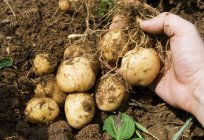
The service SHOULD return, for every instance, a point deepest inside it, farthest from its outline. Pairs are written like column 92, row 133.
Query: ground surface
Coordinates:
column 36, row 28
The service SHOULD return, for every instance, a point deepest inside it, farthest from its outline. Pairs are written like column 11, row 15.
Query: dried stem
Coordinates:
column 7, row 3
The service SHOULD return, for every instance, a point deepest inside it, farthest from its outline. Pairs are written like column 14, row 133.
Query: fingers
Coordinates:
column 186, row 45
column 168, row 23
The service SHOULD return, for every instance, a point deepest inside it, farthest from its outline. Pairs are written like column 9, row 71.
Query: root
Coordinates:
column 55, row 13
column 7, row 3
column 87, row 31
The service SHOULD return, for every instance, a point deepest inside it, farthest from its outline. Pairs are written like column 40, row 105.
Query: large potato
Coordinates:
column 75, row 74
column 79, row 109
column 47, row 87
column 41, row 110
column 111, row 92
column 42, row 65
column 140, row 66
column 113, row 45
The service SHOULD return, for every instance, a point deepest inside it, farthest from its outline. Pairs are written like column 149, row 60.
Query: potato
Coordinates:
column 119, row 21
column 85, row 50
column 47, row 87
column 140, row 66
column 79, row 109
column 113, row 45
column 41, row 110
column 64, row 5
column 42, row 65
column 75, row 74
column 111, row 92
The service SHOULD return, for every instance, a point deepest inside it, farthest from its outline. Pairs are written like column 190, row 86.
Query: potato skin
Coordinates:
column 64, row 5
column 47, row 87
column 86, row 50
column 111, row 92
column 41, row 110
column 75, row 74
column 119, row 21
column 41, row 65
column 113, row 45
column 79, row 109
column 140, row 66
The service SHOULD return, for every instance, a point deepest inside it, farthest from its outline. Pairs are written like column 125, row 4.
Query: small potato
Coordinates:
column 113, row 45
column 41, row 64
column 41, row 110
column 79, row 109
column 47, row 87
column 64, row 5
column 111, row 92
column 86, row 50
column 140, row 66
column 75, row 74
column 119, row 21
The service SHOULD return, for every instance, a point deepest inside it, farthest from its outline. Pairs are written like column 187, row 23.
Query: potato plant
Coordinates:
column 117, row 58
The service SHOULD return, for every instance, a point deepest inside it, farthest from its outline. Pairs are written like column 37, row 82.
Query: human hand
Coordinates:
column 182, row 85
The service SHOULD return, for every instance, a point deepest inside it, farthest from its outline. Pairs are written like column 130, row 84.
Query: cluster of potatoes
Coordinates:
column 79, row 86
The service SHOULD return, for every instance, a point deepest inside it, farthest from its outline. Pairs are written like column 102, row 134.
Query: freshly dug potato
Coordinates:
column 111, row 92
column 41, row 110
column 64, row 5
column 113, row 45
column 42, row 65
column 85, row 50
column 119, row 21
column 140, row 66
column 79, row 109
column 47, row 87
column 75, row 74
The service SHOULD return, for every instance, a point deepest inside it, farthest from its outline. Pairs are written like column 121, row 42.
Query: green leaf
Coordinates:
column 109, row 126
column 6, row 62
column 138, row 139
column 143, row 129
column 120, row 127
column 138, row 133
column 104, row 6
column 178, row 134
column 128, row 127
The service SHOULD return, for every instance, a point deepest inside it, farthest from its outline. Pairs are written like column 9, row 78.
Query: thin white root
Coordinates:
column 7, row 3
column 76, row 35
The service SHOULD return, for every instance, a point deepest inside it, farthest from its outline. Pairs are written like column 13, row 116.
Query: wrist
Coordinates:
column 197, row 108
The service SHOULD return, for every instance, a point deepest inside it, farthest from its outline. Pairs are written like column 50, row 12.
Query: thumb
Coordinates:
column 186, row 45
column 168, row 23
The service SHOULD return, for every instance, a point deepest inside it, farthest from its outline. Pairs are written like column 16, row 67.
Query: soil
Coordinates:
column 34, row 27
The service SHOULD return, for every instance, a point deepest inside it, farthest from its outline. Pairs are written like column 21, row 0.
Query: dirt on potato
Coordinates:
column 33, row 26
